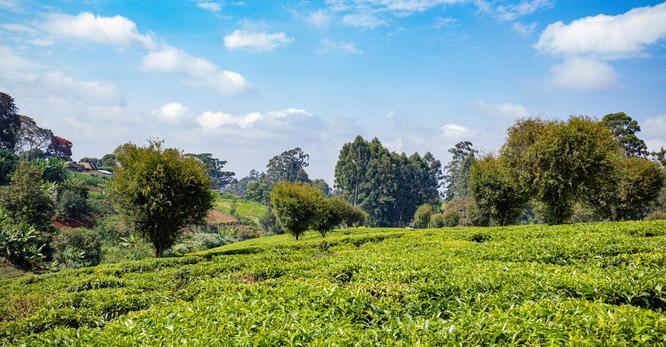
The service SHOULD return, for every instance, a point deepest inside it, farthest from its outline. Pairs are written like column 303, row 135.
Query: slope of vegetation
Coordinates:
column 544, row 285
column 243, row 209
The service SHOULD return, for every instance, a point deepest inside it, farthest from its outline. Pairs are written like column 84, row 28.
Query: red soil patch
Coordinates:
column 216, row 217
column 66, row 223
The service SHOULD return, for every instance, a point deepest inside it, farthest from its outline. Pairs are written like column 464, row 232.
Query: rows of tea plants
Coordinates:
column 588, row 284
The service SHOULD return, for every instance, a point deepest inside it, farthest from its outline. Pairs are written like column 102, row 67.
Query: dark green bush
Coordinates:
column 451, row 218
column 437, row 221
column 20, row 244
column 8, row 163
column 76, row 248
column 422, row 216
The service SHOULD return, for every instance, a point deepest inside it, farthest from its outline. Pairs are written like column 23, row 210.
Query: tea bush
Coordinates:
column 581, row 284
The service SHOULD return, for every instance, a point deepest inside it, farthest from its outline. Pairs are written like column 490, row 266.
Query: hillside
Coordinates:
column 245, row 210
column 593, row 283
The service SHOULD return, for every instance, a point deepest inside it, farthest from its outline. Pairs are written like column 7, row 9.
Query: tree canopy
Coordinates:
column 624, row 129
column 457, row 171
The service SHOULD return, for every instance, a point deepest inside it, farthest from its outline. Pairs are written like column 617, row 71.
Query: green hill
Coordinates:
column 598, row 284
column 248, row 210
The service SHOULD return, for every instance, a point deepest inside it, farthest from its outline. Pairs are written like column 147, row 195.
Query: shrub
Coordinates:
column 196, row 242
column 269, row 223
column 451, row 218
column 72, row 200
column 354, row 216
column 656, row 215
column 75, row 248
column 20, row 244
column 8, row 163
column 54, row 169
column 295, row 206
column 495, row 191
column 437, row 221
column 469, row 212
column 25, row 200
column 422, row 216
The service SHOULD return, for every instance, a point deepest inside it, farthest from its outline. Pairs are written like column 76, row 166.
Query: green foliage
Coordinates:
column 422, row 216
column 26, row 200
column 467, row 210
column 215, row 170
column 9, row 122
column 322, row 185
column 196, row 242
column 437, row 221
column 590, row 284
column 450, row 218
column 624, row 129
column 259, row 191
column 74, row 248
column 72, row 200
column 8, row 163
column 109, row 161
column 288, row 166
column 496, row 192
column 295, row 206
column 20, row 244
column 160, row 191
column 386, row 185
column 457, row 171
column 54, row 169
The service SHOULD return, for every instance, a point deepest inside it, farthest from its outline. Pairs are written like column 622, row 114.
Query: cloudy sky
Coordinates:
column 245, row 80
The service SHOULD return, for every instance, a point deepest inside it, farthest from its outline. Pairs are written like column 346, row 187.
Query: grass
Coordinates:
column 592, row 284
column 244, row 209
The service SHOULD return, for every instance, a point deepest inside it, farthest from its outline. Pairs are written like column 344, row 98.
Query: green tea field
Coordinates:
column 581, row 284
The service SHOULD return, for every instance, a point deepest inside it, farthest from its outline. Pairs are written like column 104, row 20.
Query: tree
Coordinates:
column 629, row 191
column 32, row 141
column 660, row 157
column 94, row 161
column 330, row 213
column 295, row 206
column 160, row 191
column 109, row 161
column 624, row 129
column 495, row 190
column 322, row 185
column 457, row 171
column 422, row 216
column 60, row 148
column 215, row 170
column 259, row 191
column 25, row 200
column 8, row 163
column 559, row 162
column 288, row 166
column 467, row 210
column 9, row 122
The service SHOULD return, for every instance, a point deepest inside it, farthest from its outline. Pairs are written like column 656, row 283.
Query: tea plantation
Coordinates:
column 591, row 284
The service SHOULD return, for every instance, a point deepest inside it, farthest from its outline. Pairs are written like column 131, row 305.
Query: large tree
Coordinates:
column 295, row 206
column 624, row 129
column 288, row 166
column 9, row 122
column 457, row 171
column 496, row 191
column 215, row 170
column 160, row 191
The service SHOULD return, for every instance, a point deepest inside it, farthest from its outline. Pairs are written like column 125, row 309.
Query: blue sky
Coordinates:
column 245, row 80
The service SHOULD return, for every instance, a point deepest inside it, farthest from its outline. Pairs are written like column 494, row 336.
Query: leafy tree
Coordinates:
column 94, row 161
column 160, row 191
column 457, row 171
column 74, row 248
column 629, row 191
column 238, row 187
column 295, row 206
column 495, row 190
column 422, row 216
column 25, row 200
column 109, row 161
column 60, row 148
column 560, row 162
column 72, row 200
column 330, row 213
column 8, row 163
column 9, row 122
column 437, row 221
column 624, row 129
column 451, row 218
column 660, row 157
column 259, row 191
column 54, row 169
column 288, row 166
column 215, row 170
column 468, row 212
column 322, row 185
column 32, row 141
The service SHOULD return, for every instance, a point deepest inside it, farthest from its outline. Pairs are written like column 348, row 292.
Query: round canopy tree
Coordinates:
column 160, row 191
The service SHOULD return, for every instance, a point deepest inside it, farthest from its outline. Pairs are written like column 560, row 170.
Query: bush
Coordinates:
column 54, row 169
column 422, row 216
column 437, row 221
column 25, row 200
column 496, row 192
column 468, row 211
column 196, row 242
column 131, row 247
column 20, row 244
column 295, row 206
column 8, row 163
column 656, row 215
column 75, row 248
column 451, row 218
column 269, row 223
column 72, row 200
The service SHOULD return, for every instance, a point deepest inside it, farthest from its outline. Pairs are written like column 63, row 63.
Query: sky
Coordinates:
column 246, row 80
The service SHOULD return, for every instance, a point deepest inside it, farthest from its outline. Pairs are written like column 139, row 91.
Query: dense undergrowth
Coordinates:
column 599, row 284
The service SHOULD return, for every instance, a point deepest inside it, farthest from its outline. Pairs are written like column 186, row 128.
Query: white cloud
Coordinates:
column 327, row 45
column 272, row 124
column 441, row 22
column 256, row 41
column 582, row 74
column 213, row 7
column 198, row 71
column 116, row 30
column 513, row 11
column 507, row 110
column 606, row 37
column 172, row 112
column 17, row 28
column 319, row 18
column 524, row 30
column 362, row 20
column 455, row 131
column 654, row 130
column 89, row 91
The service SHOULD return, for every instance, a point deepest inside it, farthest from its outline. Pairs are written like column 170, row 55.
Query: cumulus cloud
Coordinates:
column 197, row 71
column 213, row 7
column 211, row 121
column 172, row 112
column 256, row 41
column 582, row 74
column 524, row 30
column 654, row 130
column 90, row 91
column 455, row 131
column 513, row 11
column 362, row 20
column 327, row 46
column 319, row 18
column 606, row 37
column 507, row 110
column 116, row 30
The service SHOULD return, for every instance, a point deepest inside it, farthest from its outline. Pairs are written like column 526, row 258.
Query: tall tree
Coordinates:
column 160, row 191
column 215, row 169
column 32, row 141
column 624, row 129
column 457, row 171
column 496, row 192
column 288, row 166
column 9, row 122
